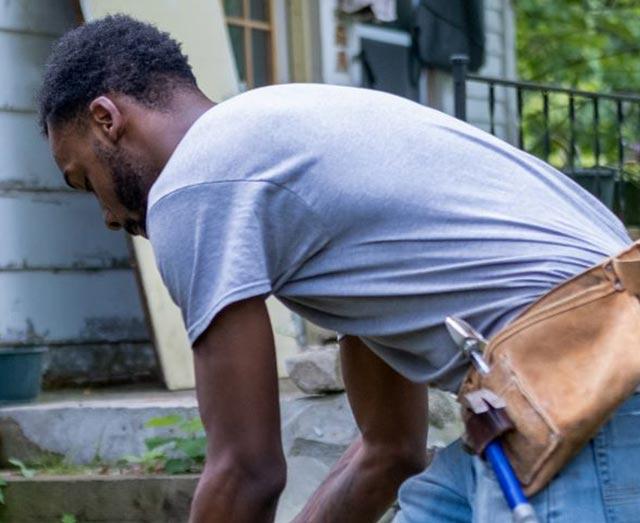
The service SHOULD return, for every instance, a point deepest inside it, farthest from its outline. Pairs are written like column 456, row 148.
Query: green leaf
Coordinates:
column 178, row 466
column 194, row 448
column 192, row 426
column 157, row 441
column 68, row 518
column 171, row 420
column 3, row 484
column 130, row 460
column 24, row 470
column 160, row 450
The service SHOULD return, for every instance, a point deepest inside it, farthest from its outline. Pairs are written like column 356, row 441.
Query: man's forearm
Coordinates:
column 237, row 386
column 359, row 488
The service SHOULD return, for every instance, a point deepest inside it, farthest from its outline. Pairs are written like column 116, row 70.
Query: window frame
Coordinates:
column 248, row 25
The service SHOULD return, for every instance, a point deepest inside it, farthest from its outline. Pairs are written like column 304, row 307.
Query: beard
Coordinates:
column 131, row 179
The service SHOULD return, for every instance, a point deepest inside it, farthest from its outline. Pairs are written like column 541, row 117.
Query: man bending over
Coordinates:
column 363, row 212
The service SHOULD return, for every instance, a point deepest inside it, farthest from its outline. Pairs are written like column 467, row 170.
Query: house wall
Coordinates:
column 499, row 61
column 65, row 281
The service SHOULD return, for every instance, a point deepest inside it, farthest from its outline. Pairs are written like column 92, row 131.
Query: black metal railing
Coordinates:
column 592, row 137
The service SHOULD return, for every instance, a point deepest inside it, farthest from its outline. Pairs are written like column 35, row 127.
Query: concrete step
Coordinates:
column 94, row 426
column 105, row 425
column 103, row 499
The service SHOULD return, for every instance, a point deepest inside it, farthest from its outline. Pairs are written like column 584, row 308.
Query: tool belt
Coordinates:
column 561, row 368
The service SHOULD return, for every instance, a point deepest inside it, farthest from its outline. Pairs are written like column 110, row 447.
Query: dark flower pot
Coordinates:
column 631, row 195
column 599, row 181
column 21, row 373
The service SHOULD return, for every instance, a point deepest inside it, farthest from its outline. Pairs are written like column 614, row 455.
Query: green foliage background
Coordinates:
column 585, row 44
column 591, row 45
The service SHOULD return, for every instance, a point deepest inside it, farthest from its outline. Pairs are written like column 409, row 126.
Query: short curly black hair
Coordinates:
column 116, row 54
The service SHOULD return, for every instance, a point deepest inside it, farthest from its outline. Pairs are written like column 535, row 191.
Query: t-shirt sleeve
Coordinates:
column 217, row 243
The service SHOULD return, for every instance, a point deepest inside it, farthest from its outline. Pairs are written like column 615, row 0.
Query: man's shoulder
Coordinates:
column 239, row 138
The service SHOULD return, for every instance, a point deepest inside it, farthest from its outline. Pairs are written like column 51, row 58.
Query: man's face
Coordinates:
column 115, row 176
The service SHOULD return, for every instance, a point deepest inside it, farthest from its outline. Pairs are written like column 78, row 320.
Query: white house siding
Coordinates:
column 65, row 280
column 499, row 62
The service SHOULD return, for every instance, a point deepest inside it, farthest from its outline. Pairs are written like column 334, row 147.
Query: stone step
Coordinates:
column 103, row 499
column 82, row 428
column 104, row 426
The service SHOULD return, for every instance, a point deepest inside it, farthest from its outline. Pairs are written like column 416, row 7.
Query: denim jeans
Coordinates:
column 600, row 485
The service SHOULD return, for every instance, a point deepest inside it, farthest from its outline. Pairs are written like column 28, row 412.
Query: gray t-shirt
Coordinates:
column 370, row 215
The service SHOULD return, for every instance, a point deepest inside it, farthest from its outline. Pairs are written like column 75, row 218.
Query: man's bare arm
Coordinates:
column 391, row 413
column 237, row 387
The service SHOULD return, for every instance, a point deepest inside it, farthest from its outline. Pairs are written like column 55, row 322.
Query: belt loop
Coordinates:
column 612, row 276
column 627, row 274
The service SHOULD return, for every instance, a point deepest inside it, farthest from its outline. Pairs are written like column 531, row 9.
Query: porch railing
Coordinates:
column 592, row 137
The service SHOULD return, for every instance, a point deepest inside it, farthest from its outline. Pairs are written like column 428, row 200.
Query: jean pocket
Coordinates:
column 489, row 503
column 617, row 452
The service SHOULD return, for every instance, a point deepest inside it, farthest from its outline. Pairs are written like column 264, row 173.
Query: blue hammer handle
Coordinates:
column 518, row 503
column 505, row 475
column 469, row 340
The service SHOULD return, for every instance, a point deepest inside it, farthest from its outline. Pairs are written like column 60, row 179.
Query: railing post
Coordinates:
column 459, row 70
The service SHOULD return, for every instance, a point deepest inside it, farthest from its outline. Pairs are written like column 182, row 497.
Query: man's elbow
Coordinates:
column 267, row 481
column 399, row 461
column 257, row 483
column 412, row 463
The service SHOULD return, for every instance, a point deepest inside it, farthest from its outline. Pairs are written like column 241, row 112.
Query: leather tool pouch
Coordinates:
column 565, row 365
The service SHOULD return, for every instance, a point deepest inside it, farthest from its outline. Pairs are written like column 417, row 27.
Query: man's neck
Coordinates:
column 167, row 130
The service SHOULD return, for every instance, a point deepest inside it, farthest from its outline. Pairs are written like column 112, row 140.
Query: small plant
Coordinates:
column 61, row 466
column 178, row 453
column 24, row 470
column 3, row 484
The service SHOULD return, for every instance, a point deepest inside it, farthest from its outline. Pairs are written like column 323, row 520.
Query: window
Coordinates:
column 250, row 24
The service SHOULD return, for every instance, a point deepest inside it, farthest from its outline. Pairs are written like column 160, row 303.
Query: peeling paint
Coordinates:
column 96, row 265
column 49, row 197
column 101, row 364
column 27, row 336
column 96, row 331
column 9, row 108
column 21, row 185
column 113, row 328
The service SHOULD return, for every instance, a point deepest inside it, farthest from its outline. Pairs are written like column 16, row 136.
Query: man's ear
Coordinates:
column 106, row 118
